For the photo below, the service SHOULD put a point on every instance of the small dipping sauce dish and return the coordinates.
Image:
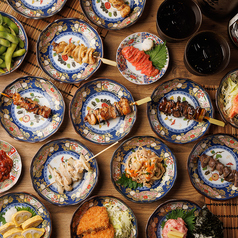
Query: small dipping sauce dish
(177, 20)
(206, 53)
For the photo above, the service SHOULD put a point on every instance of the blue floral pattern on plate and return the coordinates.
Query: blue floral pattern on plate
(70, 30)
(53, 153)
(127, 69)
(26, 126)
(28, 201)
(95, 94)
(209, 183)
(108, 17)
(179, 130)
(37, 9)
(154, 228)
(102, 201)
(160, 187)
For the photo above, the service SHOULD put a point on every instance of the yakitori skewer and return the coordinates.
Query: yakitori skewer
(29, 105)
(184, 109)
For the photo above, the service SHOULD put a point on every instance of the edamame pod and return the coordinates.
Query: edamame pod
(2, 71)
(1, 19)
(4, 42)
(3, 65)
(1, 61)
(8, 56)
(2, 49)
(19, 53)
(11, 24)
(2, 28)
(21, 43)
(9, 37)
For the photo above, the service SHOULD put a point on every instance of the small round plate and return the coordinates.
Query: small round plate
(207, 182)
(53, 153)
(66, 69)
(220, 97)
(30, 203)
(26, 126)
(95, 94)
(154, 224)
(102, 201)
(160, 187)
(37, 9)
(16, 168)
(179, 130)
(22, 35)
(127, 69)
(103, 14)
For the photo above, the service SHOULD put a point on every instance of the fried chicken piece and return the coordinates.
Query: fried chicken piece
(107, 233)
(95, 219)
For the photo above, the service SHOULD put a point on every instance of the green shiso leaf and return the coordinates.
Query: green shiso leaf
(128, 182)
(26, 209)
(158, 55)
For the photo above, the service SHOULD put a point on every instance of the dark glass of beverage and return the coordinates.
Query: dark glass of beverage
(178, 19)
(206, 53)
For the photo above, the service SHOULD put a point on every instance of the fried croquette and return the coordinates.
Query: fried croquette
(107, 233)
(95, 219)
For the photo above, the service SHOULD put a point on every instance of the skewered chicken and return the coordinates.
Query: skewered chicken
(69, 172)
(228, 174)
(31, 106)
(181, 109)
(121, 6)
(105, 113)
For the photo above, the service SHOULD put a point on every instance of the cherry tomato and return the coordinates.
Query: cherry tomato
(65, 57)
(107, 5)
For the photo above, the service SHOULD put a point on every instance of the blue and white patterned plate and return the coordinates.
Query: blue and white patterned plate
(154, 224)
(160, 187)
(96, 94)
(63, 68)
(103, 14)
(179, 130)
(53, 153)
(26, 126)
(127, 69)
(22, 35)
(29, 202)
(37, 9)
(209, 183)
(102, 201)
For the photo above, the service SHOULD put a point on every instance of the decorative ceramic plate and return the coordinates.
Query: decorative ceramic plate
(220, 97)
(174, 129)
(96, 94)
(53, 153)
(16, 168)
(103, 14)
(209, 183)
(154, 224)
(26, 201)
(102, 201)
(160, 187)
(127, 69)
(22, 35)
(61, 67)
(26, 126)
(37, 9)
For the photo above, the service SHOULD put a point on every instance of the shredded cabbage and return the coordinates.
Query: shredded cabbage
(230, 90)
(121, 220)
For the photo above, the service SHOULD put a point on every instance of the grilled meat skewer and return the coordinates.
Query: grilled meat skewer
(182, 109)
(228, 174)
(120, 108)
(31, 106)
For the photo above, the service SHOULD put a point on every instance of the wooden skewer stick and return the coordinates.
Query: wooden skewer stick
(142, 101)
(4, 94)
(215, 121)
(107, 61)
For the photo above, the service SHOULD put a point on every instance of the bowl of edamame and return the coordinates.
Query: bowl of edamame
(13, 43)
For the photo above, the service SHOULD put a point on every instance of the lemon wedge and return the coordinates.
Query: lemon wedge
(6, 227)
(33, 232)
(19, 217)
(13, 233)
(32, 222)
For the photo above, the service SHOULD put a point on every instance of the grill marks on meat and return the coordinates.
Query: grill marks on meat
(140, 60)
(31, 106)
(99, 115)
(228, 174)
(181, 109)
(121, 6)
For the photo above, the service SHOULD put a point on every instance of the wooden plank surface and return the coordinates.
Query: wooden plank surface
(182, 189)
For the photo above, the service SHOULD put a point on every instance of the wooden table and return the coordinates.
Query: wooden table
(61, 216)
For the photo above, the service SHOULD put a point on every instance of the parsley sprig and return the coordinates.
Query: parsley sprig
(128, 182)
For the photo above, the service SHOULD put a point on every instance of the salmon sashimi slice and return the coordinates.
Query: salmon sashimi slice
(234, 109)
